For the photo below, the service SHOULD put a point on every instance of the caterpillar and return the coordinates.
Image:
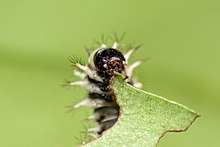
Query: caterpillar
(96, 76)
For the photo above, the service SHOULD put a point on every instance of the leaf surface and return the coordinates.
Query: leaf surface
(144, 118)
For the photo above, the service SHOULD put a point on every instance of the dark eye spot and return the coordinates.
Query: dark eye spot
(109, 60)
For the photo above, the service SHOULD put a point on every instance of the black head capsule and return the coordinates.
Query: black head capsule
(109, 60)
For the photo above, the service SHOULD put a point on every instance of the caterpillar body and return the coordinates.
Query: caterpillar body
(96, 77)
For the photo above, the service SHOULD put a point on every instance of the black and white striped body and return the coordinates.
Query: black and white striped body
(96, 77)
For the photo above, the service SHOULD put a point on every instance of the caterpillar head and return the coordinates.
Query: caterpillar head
(109, 60)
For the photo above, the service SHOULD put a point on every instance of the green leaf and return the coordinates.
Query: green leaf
(144, 118)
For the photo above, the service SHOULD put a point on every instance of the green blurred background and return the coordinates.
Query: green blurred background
(36, 37)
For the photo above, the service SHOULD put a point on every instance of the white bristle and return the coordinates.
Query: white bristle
(94, 136)
(79, 83)
(89, 86)
(80, 74)
(138, 84)
(110, 118)
(131, 67)
(85, 102)
(128, 54)
(96, 103)
(91, 73)
(115, 45)
(95, 129)
(92, 117)
(103, 46)
(93, 88)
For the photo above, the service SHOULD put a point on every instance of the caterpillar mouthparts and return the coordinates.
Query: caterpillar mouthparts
(96, 77)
